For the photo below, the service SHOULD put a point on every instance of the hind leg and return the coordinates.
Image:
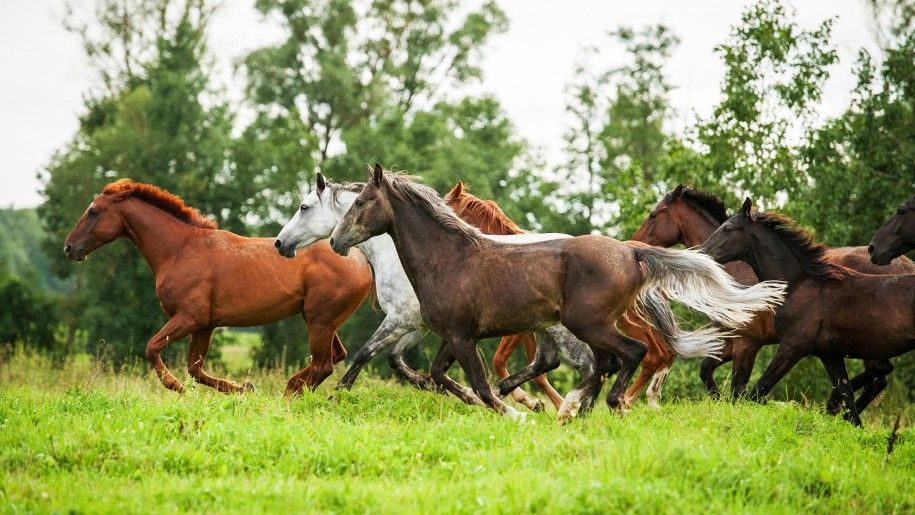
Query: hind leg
(581, 399)
(395, 359)
(655, 386)
(709, 365)
(338, 352)
(873, 380)
(197, 354)
(321, 366)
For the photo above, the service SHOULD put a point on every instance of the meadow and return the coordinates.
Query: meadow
(83, 438)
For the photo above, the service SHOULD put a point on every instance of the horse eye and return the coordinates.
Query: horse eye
(303, 207)
(359, 202)
(93, 212)
(652, 215)
(900, 211)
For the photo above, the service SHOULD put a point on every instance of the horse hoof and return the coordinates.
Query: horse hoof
(537, 406)
(248, 387)
(516, 415)
(567, 412)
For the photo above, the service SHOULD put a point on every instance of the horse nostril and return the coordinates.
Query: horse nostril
(870, 249)
(331, 242)
(277, 243)
(68, 249)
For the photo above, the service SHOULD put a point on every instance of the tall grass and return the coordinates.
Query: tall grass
(86, 438)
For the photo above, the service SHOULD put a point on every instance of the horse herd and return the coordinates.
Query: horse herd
(458, 266)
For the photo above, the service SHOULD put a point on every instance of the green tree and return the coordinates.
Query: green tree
(147, 121)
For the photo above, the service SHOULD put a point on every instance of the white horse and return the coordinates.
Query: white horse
(403, 326)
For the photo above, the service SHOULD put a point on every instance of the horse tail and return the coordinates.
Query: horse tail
(695, 279)
(703, 342)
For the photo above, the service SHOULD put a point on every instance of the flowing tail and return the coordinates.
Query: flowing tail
(696, 280)
(703, 342)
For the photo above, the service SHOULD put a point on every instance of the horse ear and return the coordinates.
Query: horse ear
(377, 175)
(321, 184)
(678, 190)
(457, 190)
(747, 208)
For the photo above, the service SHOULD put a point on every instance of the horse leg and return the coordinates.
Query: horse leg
(873, 380)
(176, 328)
(507, 345)
(649, 369)
(708, 367)
(440, 365)
(546, 358)
(395, 359)
(581, 399)
(656, 384)
(338, 351)
(607, 365)
(197, 354)
(835, 367)
(542, 382)
(387, 334)
(321, 366)
(787, 355)
(465, 351)
(744, 355)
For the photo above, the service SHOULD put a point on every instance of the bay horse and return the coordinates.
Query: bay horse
(402, 327)
(472, 287)
(208, 278)
(831, 312)
(489, 217)
(687, 217)
(896, 236)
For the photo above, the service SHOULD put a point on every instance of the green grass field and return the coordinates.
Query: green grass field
(83, 439)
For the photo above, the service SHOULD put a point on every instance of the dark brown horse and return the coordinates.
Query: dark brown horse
(490, 218)
(207, 278)
(471, 287)
(896, 236)
(831, 312)
(688, 217)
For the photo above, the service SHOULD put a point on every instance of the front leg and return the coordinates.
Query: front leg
(197, 354)
(176, 328)
(835, 367)
(788, 354)
(443, 361)
(465, 351)
(387, 334)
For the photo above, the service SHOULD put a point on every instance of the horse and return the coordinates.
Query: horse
(402, 327)
(490, 218)
(687, 216)
(896, 236)
(208, 278)
(472, 287)
(831, 312)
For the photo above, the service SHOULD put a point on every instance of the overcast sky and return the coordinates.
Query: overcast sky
(44, 75)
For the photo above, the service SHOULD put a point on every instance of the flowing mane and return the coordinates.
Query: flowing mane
(158, 197)
(428, 200)
(810, 253)
(704, 201)
(337, 188)
(488, 216)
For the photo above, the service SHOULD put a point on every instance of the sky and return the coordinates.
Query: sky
(43, 74)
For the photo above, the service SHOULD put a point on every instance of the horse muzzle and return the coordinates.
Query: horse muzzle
(284, 248)
(339, 247)
(73, 253)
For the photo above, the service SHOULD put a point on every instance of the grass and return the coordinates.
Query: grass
(84, 439)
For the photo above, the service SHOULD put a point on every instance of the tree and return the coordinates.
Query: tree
(148, 122)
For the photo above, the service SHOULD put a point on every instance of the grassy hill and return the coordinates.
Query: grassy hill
(85, 439)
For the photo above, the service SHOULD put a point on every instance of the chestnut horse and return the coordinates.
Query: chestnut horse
(896, 236)
(831, 312)
(490, 218)
(472, 287)
(207, 278)
(688, 217)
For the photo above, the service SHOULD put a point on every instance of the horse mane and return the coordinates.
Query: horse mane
(428, 200)
(488, 215)
(810, 253)
(337, 188)
(704, 201)
(158, 197)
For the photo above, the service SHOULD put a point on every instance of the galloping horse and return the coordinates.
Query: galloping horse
(688, 217)
(207, 278)
(831, 312)
(402, 327)
(896, 236)
(487, 215)
(472, 287)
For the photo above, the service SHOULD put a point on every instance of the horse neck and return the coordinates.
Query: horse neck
(772, 259)
(696, 227)
(422, 243)
(158, 235)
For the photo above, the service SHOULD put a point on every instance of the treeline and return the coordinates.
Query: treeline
(354, 82)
